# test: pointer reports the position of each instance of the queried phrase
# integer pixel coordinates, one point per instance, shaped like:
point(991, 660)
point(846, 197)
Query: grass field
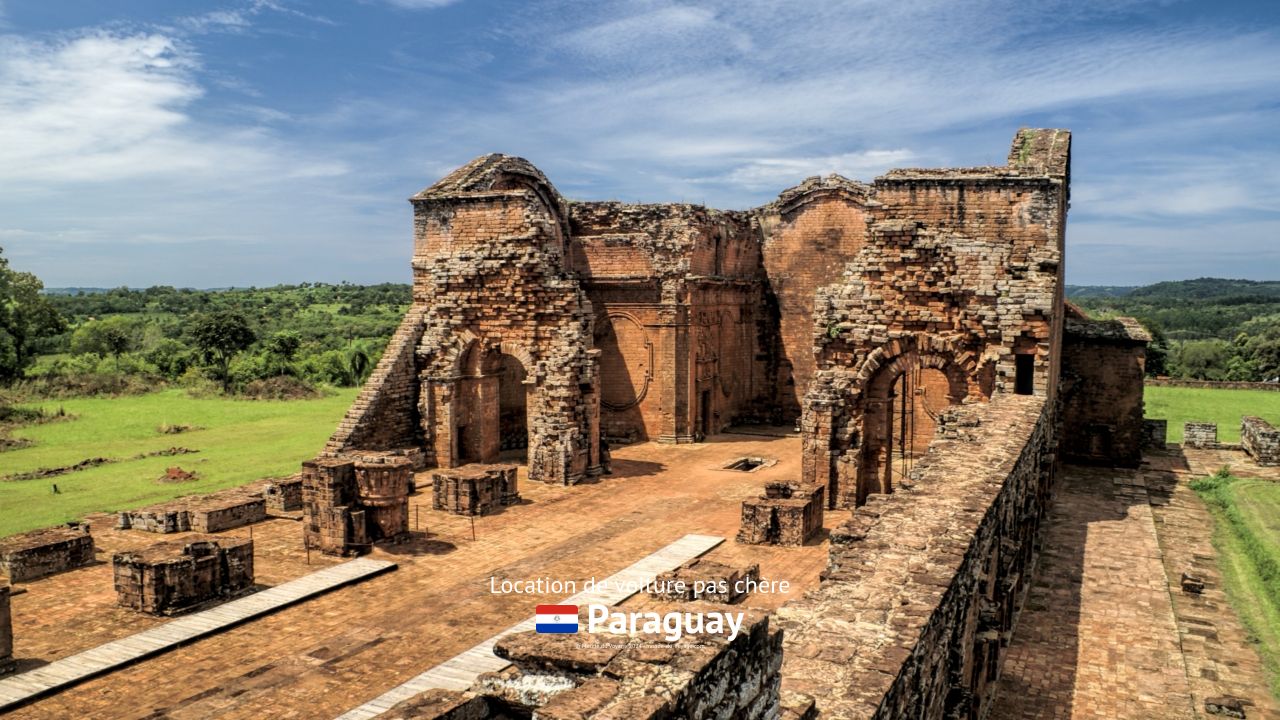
point(1225, 407)
point(239, 441)
point(1247, 537)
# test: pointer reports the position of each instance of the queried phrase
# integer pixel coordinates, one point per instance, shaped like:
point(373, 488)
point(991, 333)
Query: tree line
point(1203, 329)
point(288, 337)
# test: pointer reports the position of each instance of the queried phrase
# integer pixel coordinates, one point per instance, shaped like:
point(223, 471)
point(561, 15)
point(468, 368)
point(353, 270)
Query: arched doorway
point(513, 409)
point(904, 401)
point(491, 409)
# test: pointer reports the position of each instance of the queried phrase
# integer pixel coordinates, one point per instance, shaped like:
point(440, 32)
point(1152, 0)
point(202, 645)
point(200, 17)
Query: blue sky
point(258, 142)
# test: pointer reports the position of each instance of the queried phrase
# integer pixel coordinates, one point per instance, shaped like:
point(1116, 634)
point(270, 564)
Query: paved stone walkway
point(1106, 631)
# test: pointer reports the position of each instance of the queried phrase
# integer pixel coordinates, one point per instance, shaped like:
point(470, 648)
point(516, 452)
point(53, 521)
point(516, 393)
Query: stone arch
point(520, 353)
point(897, 424)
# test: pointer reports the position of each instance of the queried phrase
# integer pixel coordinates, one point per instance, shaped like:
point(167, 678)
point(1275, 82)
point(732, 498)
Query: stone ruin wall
point(808, 236)
point(1260, 440)
point(677, 293)
point(7, 663)
point(961, 273)
point(919, 598)
point(173, 576)
point(35, 554)
point(1103, 368)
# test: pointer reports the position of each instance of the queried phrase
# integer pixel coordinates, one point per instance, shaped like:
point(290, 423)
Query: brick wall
point(960, 274)
point(1103, 365)
point(923, 585)
point(1260, 440)
point(32, 555)
point(6, 632)
point(1200, 435)
point(809, 235)
point(173, 576)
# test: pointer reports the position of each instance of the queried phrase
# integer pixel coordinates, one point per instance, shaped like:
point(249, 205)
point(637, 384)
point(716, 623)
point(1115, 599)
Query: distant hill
point(1200, 309)
point(1077, 292)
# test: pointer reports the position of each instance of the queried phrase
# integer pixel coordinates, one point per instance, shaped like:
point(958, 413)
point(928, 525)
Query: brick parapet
point(923, 584)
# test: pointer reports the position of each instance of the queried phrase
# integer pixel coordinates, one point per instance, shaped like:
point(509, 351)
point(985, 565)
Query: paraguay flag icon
point(557, 619)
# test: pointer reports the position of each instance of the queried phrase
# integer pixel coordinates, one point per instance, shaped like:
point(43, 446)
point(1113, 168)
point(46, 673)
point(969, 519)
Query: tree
point(284, 347)
point(112, 336)
point(219, 337)
point(25, 317)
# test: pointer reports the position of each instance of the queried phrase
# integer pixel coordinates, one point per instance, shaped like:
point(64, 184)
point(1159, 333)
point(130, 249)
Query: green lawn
point(1225, 407)
point(1247, 537)
point(241, 441)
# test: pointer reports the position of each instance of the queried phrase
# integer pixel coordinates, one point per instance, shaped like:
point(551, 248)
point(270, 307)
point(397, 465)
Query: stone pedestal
point(38, 553)
point(787, 514)
point(474, 489)
point(6, 633)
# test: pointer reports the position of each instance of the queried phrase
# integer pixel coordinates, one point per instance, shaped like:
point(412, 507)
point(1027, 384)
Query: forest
point(1204, 329)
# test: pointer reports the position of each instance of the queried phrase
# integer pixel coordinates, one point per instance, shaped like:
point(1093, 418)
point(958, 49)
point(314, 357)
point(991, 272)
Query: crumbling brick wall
point(1103, 366)
point(1260, 439)
point(173, 576)
point(7, 662)
point(1200, 435)
point(808, 234)
point(474, 489)
point(677, 291)
point(32, 555)
point(924, 584)
point(960, 277)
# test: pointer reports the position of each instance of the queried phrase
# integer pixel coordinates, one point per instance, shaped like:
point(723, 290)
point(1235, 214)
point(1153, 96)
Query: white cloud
point(102, 107)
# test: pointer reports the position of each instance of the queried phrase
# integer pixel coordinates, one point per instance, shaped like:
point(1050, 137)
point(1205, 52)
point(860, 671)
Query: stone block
point(1200, 435)
point(1260, 440)
point(33, 555)
point(174, 576)
point(787, 514)
point(474, 489)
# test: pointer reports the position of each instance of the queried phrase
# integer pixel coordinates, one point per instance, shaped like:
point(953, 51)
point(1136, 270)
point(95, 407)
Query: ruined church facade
point(859, 312)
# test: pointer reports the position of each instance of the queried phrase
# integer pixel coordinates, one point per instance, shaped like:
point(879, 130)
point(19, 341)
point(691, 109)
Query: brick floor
point(324, 656)
point(1106, 631)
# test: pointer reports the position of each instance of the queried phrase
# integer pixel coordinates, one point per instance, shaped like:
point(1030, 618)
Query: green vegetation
point(239, 441)
point(26, 317)
point(1224, 407)
point(272, 342)
point(1206, 329)
point(1247, 537)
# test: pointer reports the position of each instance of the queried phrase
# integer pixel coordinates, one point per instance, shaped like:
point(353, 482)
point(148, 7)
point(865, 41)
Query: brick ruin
point(1200, 434)
point(914, 328)
point(1103, 366)
point(1260, 440)
point(7, 663)
point(215, 512)
point(474, 489)
point(173, 576)
point(351, 501)
point(33, 555)
point(703, 580)
point(788, 513)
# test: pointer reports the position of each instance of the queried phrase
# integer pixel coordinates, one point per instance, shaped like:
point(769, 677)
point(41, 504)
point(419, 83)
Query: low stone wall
point(556, 677)
point(922, 586)
point(205, 514)
point(787, 514)
point(1218, 384)
point(283, 495)
point(1155, 433)
point(1260, 440)
point(173, 576)
point(6, 633)
point(38, 553)
point(474, 489)
point(1200, 435)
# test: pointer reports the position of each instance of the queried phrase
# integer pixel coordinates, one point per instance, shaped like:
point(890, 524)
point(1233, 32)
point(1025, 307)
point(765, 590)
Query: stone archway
point(902, 402)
